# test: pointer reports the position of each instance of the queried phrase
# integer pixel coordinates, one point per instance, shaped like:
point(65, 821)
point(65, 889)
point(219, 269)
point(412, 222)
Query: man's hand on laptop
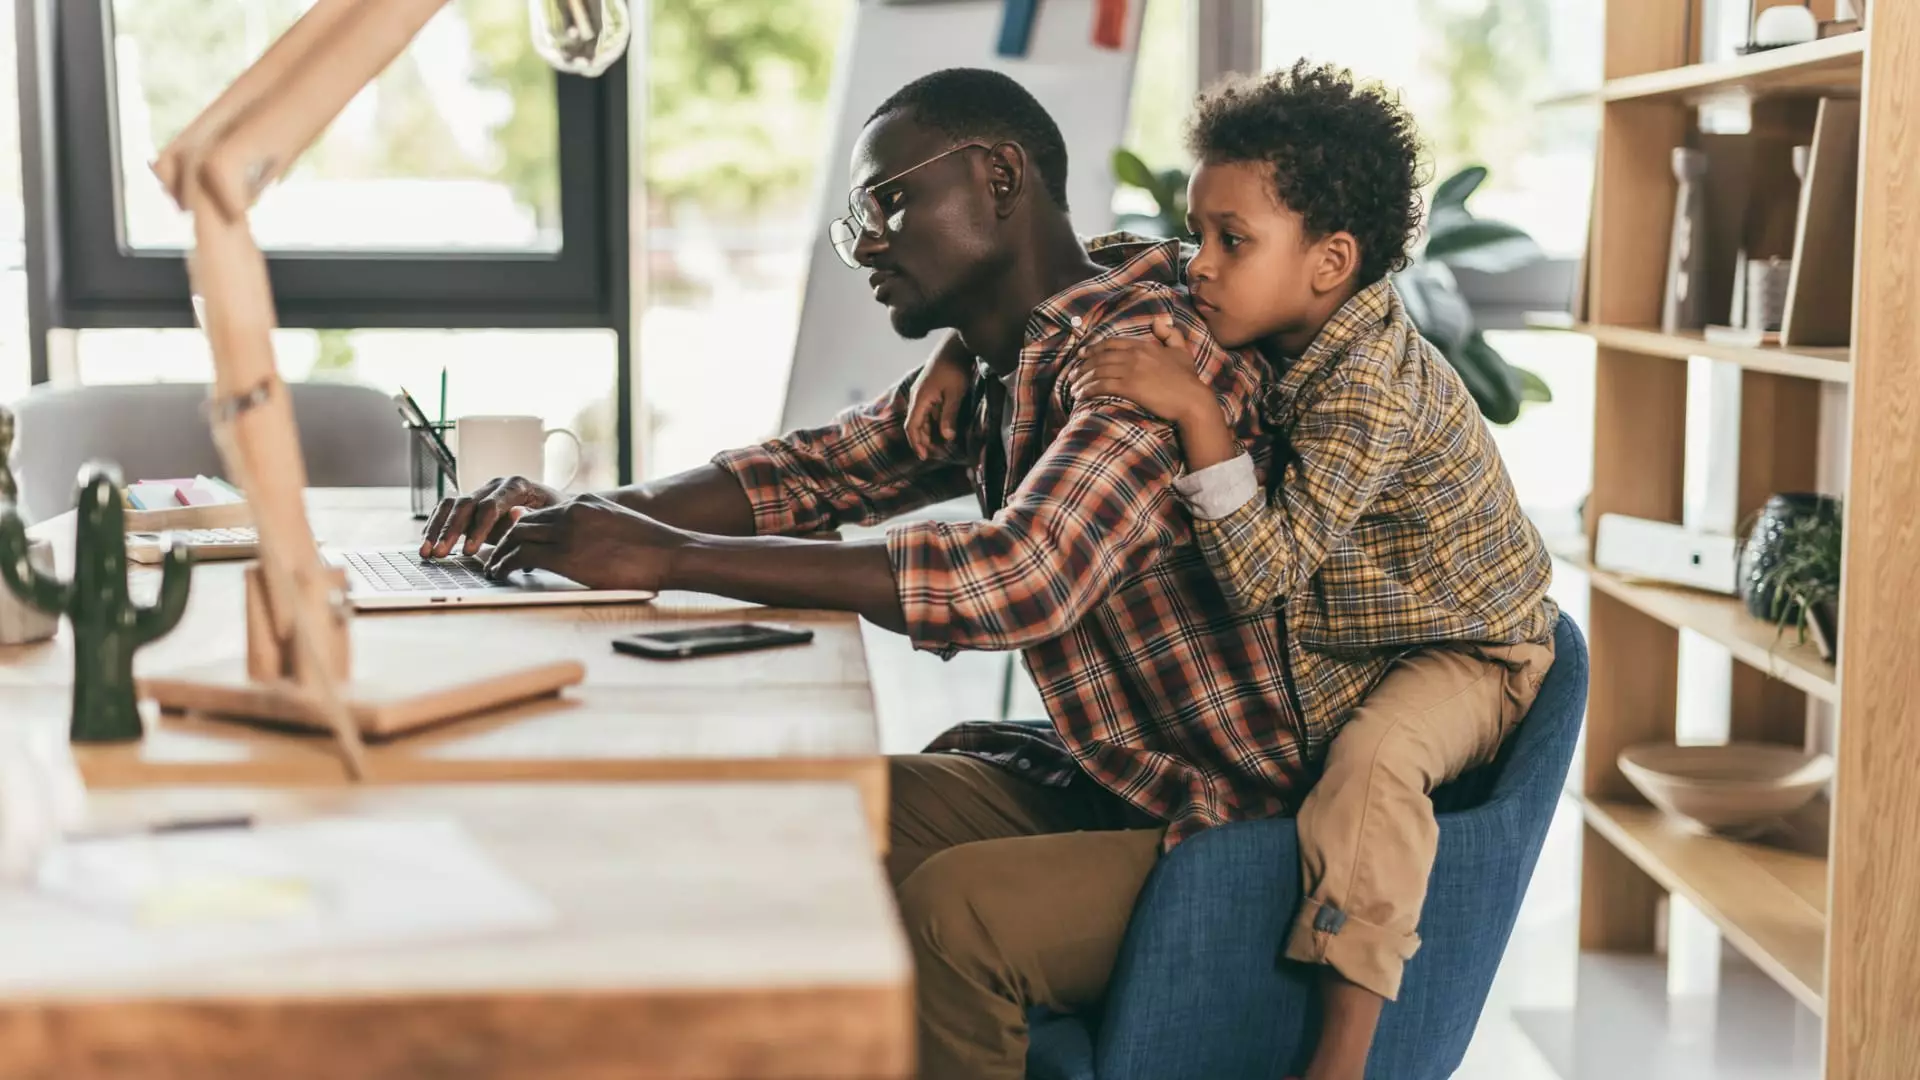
point(591, 540)
point(482, 516)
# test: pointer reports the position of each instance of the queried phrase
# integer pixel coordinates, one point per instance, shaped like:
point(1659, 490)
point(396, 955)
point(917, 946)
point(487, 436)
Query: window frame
point(104, 283)
point(82, 276)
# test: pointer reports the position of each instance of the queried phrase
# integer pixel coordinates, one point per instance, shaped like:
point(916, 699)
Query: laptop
point(398, 578)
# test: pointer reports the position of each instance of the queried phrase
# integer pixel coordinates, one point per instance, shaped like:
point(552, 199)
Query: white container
point(20, 622)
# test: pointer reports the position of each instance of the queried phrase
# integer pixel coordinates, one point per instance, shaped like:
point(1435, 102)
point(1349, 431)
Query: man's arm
point(1093, 512)
point(1096, 510)
point(859, 468)
point(706, 499)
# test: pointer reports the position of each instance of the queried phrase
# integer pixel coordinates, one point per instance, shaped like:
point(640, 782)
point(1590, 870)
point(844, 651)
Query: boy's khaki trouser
point(1015, 895)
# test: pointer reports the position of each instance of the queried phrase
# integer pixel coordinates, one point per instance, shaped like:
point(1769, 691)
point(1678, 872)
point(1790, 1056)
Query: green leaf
point(1533, 387)
point(1494, 384)
point(1434, 303)
point(1131, 171)
point(1454, 190)
point(1456, 240)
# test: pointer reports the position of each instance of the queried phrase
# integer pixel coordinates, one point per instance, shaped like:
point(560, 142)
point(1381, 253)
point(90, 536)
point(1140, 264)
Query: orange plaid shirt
point(1157, 689)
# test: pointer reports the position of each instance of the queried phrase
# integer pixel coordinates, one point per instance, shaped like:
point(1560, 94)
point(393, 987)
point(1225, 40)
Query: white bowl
point(1735, 788)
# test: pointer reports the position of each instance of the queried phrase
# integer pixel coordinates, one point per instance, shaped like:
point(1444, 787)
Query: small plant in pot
point(1800, 588)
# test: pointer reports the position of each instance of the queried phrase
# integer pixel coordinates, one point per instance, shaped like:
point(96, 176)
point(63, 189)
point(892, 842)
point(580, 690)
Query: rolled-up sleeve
point(859, 469)
point(1221, 488)
point(1096, 510)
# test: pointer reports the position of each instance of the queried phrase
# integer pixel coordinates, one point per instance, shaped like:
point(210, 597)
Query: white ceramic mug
point(486, 447)
point(21, 622)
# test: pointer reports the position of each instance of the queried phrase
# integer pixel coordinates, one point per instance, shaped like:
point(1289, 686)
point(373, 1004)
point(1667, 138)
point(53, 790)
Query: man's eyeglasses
point(866, 217)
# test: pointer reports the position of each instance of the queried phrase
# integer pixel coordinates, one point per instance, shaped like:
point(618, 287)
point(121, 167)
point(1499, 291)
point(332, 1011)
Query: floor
point(1554, 1014)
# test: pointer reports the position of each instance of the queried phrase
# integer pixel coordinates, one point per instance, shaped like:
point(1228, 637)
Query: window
point(454, 147)
point(737, 113)
point(467, 186)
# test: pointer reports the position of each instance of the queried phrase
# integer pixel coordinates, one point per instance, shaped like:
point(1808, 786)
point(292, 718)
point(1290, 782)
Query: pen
point(176, 825)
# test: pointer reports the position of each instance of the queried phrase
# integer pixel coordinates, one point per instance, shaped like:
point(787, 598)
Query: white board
point(845, 351)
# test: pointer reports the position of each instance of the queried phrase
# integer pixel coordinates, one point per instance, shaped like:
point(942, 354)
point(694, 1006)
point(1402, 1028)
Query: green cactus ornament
point(107, 625)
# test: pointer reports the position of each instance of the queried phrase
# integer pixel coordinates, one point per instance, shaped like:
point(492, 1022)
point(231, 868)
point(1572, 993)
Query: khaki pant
point(1015, 895)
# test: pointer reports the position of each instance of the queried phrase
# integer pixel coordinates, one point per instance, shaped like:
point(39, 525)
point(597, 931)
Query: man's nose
point(866, 246)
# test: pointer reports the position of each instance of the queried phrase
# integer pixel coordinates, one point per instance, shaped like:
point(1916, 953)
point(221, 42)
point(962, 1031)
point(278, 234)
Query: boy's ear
point(1338, 263)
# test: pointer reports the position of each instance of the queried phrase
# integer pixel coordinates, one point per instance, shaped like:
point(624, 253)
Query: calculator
point(206, 545)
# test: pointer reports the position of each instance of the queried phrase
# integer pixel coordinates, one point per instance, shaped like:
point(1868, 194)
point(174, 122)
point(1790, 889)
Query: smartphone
point(424, 430)
point(710, 640)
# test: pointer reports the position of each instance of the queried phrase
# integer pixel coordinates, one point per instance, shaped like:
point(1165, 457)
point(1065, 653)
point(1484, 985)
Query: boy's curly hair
point(1345, 155)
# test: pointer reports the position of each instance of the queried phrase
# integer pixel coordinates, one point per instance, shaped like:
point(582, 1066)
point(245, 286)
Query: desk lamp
point(298, 655)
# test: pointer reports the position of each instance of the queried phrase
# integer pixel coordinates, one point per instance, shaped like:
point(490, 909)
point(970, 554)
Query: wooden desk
point(735, 931)
point(802, 713)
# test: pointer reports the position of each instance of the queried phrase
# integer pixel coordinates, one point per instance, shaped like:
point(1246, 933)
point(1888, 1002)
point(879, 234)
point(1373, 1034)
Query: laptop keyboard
point(403, 570)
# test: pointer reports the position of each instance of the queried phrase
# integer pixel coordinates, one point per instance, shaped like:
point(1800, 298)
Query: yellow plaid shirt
point(1391, 522)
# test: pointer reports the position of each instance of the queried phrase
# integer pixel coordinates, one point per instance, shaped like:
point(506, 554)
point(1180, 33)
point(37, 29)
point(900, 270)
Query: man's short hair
point(972, 103)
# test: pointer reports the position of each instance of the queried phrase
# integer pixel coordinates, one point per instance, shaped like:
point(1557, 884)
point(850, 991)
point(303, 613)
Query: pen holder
point(427, 482)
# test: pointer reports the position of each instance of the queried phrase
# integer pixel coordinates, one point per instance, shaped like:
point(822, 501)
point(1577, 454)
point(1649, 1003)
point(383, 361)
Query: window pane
point(1471, 71)
point(15, 360)
point(565, 377)
point(1163, 78)
point(736, 115)
point(454, 146)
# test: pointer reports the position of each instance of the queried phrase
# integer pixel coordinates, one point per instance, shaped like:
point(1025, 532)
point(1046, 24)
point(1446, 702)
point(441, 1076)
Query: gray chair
point(350, 435)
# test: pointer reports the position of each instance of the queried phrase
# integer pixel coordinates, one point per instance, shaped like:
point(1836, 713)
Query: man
point(1017, 858)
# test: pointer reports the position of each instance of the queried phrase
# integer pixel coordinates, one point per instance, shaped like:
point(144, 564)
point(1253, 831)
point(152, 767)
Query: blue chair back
point(1200, 989)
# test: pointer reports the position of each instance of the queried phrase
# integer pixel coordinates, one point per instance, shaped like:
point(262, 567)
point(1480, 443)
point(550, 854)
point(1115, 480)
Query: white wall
point(845, 351)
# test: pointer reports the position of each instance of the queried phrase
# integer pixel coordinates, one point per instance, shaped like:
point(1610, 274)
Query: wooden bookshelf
point(1853, 915)
point(1824, 365)
point(1830, 65)
point(1770, 902)
point(1723, 620)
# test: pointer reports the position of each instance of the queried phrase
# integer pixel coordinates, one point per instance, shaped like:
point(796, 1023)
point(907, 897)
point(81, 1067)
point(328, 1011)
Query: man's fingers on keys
point(487, 514)
point(454, 527)
point(516, 553)
point(530, 532)
point(431, 536)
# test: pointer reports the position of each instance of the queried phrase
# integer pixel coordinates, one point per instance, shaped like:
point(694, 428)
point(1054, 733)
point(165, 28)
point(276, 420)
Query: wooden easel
point(298, 650)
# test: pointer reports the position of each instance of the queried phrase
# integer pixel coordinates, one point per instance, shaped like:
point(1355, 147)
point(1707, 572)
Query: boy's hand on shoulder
point(1154, 373)
point(933, 406)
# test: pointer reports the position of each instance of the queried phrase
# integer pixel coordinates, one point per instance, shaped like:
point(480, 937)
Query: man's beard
point(938, 312)
point(920, 320)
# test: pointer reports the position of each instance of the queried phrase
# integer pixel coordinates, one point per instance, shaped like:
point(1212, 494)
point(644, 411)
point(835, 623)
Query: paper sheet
point(138, 904)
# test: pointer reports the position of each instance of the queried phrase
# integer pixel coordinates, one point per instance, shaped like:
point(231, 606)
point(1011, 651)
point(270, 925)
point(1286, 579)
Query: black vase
point(1761, 553)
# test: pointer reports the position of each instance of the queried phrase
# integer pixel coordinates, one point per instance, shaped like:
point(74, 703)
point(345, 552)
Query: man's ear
point(1339, 261)
point(1006, 176)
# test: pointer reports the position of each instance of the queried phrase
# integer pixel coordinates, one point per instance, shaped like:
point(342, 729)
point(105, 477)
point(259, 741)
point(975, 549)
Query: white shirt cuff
point(1219, 490)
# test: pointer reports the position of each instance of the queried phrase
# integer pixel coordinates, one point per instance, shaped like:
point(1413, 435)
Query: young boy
point(1411, 587)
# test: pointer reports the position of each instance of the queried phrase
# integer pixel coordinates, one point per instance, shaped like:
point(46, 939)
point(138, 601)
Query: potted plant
point(1801, 584)
point(1455, 239)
